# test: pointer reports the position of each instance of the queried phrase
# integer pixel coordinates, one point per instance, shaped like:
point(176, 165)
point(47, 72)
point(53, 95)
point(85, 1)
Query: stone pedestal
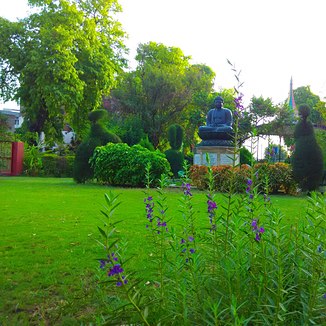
point(218, 155)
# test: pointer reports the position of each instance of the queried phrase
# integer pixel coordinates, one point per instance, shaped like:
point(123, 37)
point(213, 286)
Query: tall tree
point(60, 61)
point(161, 90)
point(304, 96)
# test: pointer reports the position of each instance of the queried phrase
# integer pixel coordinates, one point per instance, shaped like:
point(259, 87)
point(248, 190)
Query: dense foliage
point(248, 266)
point(162, 89)
point(304, 96)
point(99, 135)
point(246, 156)
point(278, 176)
point(307, 159)
point(54, 165)
point(59, 61)
point(119, 164)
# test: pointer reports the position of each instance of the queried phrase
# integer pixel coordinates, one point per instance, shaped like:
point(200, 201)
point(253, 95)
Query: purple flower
point(324, 296)
point(248, 189)
point(257, 230)
point(238, 102)
point(102, 263)
point(182, 241)
point(192, 251)
point(211, 207)
point(186, 189)
point(191, 239)
point(149, 207)
point(116, 269)
point(254, 224)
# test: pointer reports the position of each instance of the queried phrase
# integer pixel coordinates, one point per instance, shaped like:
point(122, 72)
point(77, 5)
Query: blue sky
point(269, 41)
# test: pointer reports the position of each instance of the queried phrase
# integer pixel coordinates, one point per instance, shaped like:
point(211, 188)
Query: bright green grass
point(48, 251)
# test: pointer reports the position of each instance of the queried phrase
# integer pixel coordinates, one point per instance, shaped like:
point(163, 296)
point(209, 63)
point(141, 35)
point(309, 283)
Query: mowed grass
point(48, 252)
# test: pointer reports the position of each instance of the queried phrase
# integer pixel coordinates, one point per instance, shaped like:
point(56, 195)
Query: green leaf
point(102, 232)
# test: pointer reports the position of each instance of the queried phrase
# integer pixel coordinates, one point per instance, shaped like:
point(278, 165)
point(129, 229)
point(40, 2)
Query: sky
point(268, 41)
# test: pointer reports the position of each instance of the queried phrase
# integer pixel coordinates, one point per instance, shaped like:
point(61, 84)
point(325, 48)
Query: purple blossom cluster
point(114, 268)
point(248, 189)
point(238, 102)
point(163, 225)
point(186, 189)
point(211, 207)
point(257, 230)
point(149, 207)
point(239, 105)
point(185, 244)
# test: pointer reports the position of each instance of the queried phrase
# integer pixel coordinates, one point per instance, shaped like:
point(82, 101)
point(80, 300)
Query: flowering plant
point(248, 266)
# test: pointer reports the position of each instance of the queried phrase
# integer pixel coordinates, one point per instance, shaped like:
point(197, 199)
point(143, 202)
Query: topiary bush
point(307, 159)
point(121, 165)
point(98, 136)
point(174, 155)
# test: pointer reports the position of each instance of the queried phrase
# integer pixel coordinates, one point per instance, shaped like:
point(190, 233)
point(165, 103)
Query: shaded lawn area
point(48, 252)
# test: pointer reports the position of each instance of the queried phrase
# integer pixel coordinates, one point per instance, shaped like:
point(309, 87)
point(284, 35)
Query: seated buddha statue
point(218, 123)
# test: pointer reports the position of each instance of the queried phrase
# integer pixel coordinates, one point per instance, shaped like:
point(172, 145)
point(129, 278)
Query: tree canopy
point(304, 96)
point(162, 89)
point(59, 61)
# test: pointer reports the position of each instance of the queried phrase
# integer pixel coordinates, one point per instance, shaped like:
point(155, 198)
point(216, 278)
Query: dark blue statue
point(218, 130)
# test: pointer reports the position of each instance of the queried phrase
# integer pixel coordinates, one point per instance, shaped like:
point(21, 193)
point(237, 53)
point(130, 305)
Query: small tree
point(307, 159)
point(174, 155)
point(98, 136)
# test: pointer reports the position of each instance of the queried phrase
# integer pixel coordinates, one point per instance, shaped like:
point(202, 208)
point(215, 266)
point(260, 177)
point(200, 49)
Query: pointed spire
point(291, 101)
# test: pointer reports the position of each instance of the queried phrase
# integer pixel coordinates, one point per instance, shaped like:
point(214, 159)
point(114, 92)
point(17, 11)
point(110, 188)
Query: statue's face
point(218, 102)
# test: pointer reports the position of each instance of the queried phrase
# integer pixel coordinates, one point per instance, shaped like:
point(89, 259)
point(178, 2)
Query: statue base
point(218, 155)
point(216, 142)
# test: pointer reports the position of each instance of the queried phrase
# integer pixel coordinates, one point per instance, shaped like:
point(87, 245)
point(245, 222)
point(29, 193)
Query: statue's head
point(218, 102)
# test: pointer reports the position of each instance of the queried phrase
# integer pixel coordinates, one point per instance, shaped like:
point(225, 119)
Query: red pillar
point(17, 158)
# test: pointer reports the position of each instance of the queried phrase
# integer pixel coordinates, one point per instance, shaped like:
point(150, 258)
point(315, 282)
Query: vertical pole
point(17, 158)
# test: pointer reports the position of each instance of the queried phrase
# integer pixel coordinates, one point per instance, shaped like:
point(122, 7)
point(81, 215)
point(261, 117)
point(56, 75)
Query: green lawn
point(48, 252)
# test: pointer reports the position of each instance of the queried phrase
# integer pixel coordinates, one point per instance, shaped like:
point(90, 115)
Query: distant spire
point(291, 101)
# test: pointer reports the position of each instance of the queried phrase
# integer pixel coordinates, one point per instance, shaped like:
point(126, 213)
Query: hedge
point(121, 165)
point(278, 176)
point(57, 166)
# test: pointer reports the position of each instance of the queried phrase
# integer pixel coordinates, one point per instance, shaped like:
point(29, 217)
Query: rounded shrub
point(121, 165)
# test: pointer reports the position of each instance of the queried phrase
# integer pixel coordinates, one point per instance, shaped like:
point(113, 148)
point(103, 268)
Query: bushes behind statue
point(279, 176)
